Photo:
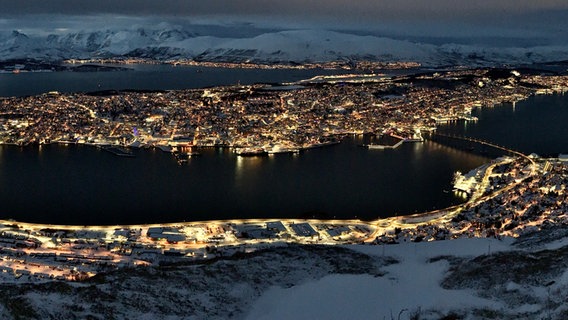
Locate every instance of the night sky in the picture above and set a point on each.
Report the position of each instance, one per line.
(526, 18)
(351, 10)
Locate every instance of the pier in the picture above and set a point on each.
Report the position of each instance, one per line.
(383, 146)
(417, 137)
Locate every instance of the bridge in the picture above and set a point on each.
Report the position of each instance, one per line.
(481, 142)
(430, 216)
(445, 214)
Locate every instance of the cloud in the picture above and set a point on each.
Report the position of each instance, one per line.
(343, 10)
(496, 18)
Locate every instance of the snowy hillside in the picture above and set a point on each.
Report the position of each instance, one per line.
(267, 47)
(473, 278)
(457, 279)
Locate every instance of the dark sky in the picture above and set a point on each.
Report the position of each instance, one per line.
(436, 16)
(367, 9)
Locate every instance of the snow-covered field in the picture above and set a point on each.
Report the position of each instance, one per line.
(411, 286)
(474, 278)
(465, 278)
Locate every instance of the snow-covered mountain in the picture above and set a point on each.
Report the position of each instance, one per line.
(268, 47)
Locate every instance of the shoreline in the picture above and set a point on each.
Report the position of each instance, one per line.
(403, 219)
(326, 65)
(46, 252)
(408, 129)
(556, 89)
(409, 217)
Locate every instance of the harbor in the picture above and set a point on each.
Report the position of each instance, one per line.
(294, 177)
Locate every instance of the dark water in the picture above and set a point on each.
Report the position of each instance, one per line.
(146, 77)
(536, 125)
(84, 185)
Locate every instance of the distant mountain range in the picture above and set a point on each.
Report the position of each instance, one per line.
(272, 46)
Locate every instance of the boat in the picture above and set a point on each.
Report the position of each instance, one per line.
(250, 152)
(281, 149)
(119, 151)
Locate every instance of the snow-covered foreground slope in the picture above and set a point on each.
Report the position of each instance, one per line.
(465, 278)
(456, 279)
(269, 47)
(411, 286)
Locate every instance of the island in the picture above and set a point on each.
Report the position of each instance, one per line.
(261, 118)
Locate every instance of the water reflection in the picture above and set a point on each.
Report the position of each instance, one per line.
(344, 181)
(418, 149)
(246, 166)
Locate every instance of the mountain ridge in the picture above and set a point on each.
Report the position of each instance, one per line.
(285, 46)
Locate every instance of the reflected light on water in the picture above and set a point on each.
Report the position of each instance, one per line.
(417, 147)
(246, 164)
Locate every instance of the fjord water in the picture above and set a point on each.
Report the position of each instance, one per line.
(146, 77)
(536, 125)
(155, 77)
(85, 185)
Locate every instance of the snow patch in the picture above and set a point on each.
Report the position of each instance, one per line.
(411, 284)
(365, 296)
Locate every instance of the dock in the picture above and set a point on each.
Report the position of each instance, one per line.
(417, 137)
(383, 146)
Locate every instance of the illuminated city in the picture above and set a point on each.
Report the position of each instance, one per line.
(283, 160)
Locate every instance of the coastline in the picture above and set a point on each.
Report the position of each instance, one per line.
(404, 129)
(54, 252)
(331, 65)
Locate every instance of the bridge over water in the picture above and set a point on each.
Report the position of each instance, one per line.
(473, 144)
(444, 139)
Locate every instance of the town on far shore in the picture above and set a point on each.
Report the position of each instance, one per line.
(266, 119)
